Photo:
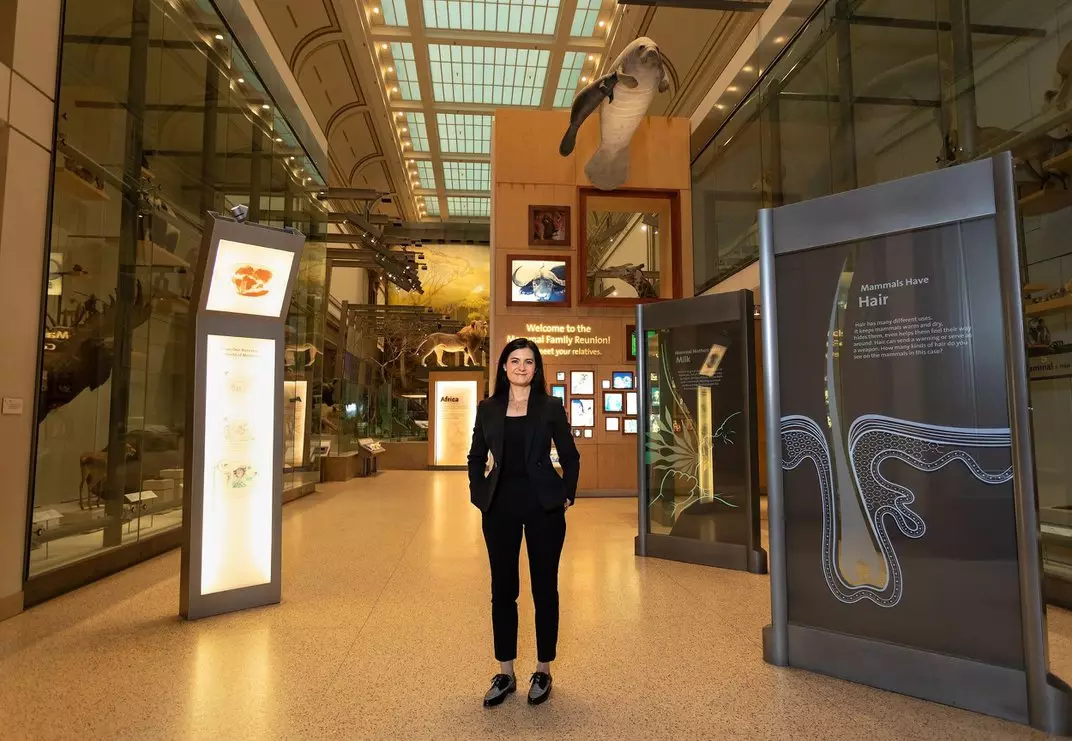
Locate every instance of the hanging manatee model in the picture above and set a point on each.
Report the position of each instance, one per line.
(625, 94)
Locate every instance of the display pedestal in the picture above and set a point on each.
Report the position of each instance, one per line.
(233, 493)
(453, 396)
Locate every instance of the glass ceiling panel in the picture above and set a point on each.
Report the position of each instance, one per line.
(464, 133)
(567, 78)
(468, 206)
(585, 17)
(418, 132)
(406, 69)
(394, 13)
(478, 74)
(426, 173)
(506, 16)
(431, 205)
(467, 175)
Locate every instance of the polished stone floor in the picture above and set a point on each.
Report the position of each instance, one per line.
(384, 633)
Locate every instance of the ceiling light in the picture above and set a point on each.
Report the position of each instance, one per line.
(266, 107)
(779, 40)
(279, 140)
(405, 129)
(219, 37)
(749, 68)
(375, 11)
(241, 80)
(383, 46)
(591, 57)
(720, 106)
(405, 145)
(643, 227)
(400, 114)
(394, 89)
(390, 69)
(602, 24)
(584, 79)
(731, 89)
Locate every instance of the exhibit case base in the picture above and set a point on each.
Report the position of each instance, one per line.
(961, 683)
(719, 555)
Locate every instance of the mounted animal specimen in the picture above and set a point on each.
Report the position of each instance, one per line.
(469, 340)
(290, 354)
(80, 357)
(93, 472)
(632, 274)
(543, 281)
(623, 97)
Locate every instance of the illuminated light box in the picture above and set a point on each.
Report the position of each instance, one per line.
(235, 446)
(453, 398)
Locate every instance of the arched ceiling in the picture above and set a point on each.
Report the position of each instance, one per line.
(405, 89)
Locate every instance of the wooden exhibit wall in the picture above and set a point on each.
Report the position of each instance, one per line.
(526, 169)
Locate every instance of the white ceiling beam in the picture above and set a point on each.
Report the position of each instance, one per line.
(424, 80)
(558, 50)
(495, 38)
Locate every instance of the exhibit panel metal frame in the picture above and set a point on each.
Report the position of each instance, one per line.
(701, 310)
(983, 189)
(192, 603)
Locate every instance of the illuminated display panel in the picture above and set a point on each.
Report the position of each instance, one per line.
(240, 462)
(455, 417)
(249, 279)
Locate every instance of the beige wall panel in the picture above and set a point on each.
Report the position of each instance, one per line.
(22, 240)
(37, 43)
(525, 147)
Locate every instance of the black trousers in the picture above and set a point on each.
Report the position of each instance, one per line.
(513, 513)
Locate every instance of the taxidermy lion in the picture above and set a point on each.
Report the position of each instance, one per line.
(470, 340)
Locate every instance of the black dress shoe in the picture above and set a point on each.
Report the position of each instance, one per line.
(540, 689)
(501, 686)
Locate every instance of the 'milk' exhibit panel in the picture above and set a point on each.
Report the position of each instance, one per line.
(904, 530)
(699, 478)
(897, 451)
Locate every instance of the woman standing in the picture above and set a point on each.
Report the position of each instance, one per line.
(522, 493)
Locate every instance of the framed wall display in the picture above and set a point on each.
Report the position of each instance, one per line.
(588, 432)
(622, 379)
(582, 383)
(631, 402)
(630, 246)
(549, 226)
(613, 402)
(560, 376)
(583, 412)
(605, 383)
(558, 390)
(629, 426)
(542, 280)
(614, 424)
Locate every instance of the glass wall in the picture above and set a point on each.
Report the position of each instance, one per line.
(161, 118)
(873, 90)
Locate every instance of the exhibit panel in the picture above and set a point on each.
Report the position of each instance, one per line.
(699, 472)
(235, 450)
(454, 397)
(896, 492)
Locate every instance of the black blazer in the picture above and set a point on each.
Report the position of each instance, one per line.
(547, 422)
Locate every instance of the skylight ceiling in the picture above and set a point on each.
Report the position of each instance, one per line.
(446, 65)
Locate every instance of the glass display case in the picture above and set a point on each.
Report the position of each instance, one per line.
(161, 118)
(868, 91)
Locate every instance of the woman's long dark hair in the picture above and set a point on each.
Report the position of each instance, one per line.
(502, 383)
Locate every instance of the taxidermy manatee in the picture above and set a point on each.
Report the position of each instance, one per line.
(624, 95)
